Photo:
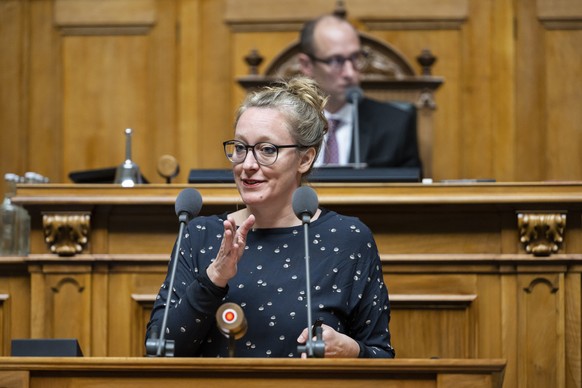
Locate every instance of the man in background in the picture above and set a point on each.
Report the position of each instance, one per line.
(331, 54)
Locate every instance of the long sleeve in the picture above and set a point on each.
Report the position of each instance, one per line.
(369, 314)
(193, 301)
(371, 317)
(348, 292)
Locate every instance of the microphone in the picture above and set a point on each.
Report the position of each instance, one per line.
(305, 205)
(188, 205)
(354, 95)
(231, 322)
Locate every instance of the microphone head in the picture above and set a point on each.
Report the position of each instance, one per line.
(305, 203)
(231, 320)
(188, 203)
(354, 94)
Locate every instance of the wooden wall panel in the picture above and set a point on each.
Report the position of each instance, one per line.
(190, 126)
(487, 308)
(75, 74)
(418, 332)
(475, 150)
(408, 28)
(269, 45)
(547, 113)
(482, 296)
(13, 33)
(447, 133)
(157, 229)
(439, 232)
(129, 304)
(100, 311)
(508, 315)
(118, 67)
(14, 305)
(421, 305)
(503, 97)
(573, 349)
(142, 306)
(45, 94)
(105, 81)
(541, 307)
(564, 116)
(61, 296)
(109, 66)
(216, 87)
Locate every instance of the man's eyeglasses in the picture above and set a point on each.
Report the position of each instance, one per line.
(359, 60)
(265, 153)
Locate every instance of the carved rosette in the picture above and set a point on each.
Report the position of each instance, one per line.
(541, 233)
(66, 233)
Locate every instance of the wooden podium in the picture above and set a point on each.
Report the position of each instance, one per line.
(475, 271)
(236, 372)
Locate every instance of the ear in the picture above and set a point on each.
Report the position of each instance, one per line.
(307, 159)
(305, 64)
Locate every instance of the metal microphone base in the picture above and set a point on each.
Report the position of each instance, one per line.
(314, 348)
(156, 347)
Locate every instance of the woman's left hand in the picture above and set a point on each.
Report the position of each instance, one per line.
(337, 345)
(224, 266)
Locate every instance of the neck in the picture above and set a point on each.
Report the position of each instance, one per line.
(269, 218)
(334, 106)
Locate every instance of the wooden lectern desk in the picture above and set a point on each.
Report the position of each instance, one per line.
(47, 372)
(475, 271)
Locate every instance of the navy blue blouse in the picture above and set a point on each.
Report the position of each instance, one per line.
(348, 292)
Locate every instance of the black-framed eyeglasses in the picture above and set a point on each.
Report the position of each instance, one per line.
(358, 59)
(265, 153)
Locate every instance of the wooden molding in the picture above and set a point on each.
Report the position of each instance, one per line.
(553, 287)
(144, 299)
(67, 280)
(105, 17)
(289, 15)
(560, 14)
(431, 301)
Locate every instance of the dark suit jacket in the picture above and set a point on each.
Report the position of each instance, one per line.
(387, 134)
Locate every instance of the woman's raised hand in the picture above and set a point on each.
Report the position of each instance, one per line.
(224, 267)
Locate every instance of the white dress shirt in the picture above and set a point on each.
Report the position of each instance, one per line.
(343, 134)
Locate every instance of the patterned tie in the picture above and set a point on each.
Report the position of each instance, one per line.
(331, 155)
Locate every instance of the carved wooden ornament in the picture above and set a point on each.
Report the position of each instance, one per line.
(66, 233)
(541, 233)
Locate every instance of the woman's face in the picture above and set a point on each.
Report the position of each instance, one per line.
(273, 185)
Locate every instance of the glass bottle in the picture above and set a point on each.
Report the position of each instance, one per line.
(14, 222)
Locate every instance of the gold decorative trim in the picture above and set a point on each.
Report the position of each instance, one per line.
(541, 233)
(66, 233)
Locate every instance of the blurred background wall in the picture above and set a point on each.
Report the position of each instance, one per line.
(75, 73)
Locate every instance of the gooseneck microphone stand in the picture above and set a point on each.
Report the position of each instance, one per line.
(305, 205)
(188, 205)
(354, 95)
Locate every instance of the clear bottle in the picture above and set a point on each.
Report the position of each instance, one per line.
(14, 222)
